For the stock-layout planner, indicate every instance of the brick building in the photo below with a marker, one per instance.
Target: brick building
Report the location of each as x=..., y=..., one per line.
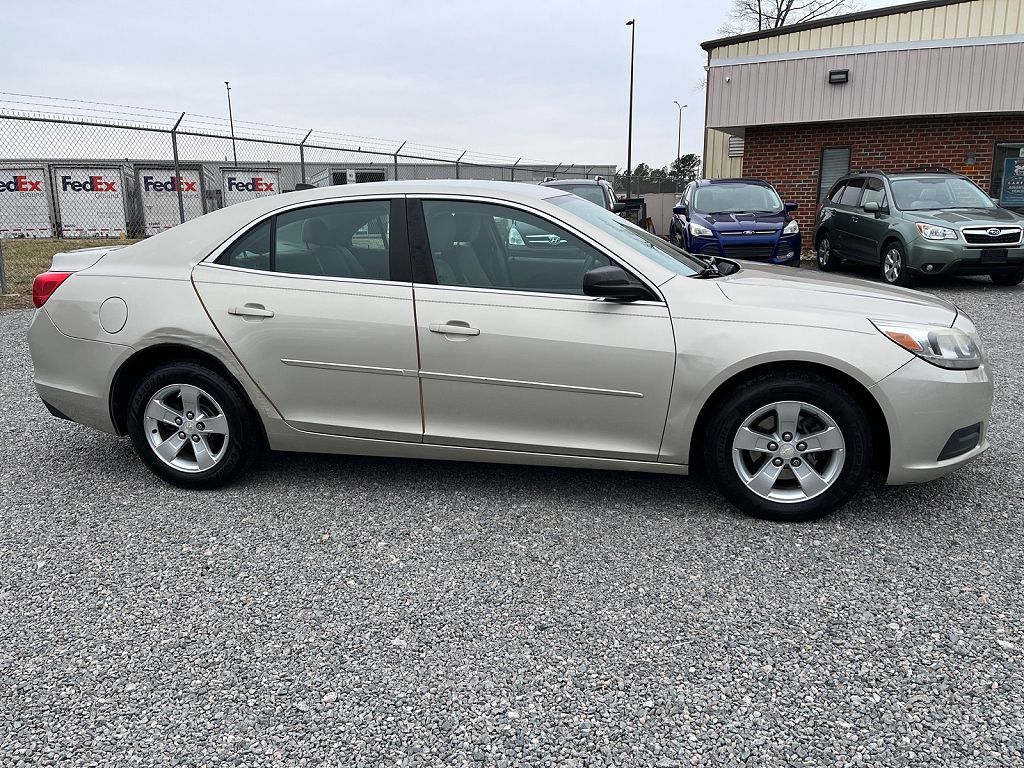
x=937, y=83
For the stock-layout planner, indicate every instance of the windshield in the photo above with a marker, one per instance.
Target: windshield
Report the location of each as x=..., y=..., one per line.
x=934, y=193
x=631, y=235
x=592, y=192
x=736, y=197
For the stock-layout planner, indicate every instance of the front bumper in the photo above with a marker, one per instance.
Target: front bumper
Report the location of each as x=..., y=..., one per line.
x=924, y=406
x=952, y=258
x=73, y=376
x=767, y=250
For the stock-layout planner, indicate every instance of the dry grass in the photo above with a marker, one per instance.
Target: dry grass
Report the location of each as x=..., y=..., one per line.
x=26, y=258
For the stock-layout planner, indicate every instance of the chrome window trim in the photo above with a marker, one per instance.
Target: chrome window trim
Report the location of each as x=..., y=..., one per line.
x=614, y=258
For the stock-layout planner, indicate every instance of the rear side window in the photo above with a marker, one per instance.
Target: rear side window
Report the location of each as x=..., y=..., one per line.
x=341, y=240
x=851, y=193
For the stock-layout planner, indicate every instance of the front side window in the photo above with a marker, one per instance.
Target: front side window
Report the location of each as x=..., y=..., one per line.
x=343, y=240
x=932, y=193
x=736, y=197
x=481, y=245
x=874, y=192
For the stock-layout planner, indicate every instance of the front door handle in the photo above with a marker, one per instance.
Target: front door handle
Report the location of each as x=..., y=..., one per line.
x=251, y=310
x=454, y=328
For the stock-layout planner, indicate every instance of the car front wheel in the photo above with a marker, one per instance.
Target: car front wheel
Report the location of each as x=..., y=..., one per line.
x=788, y=448
x=1008, y=278
x=191, y=426
x=894, y=266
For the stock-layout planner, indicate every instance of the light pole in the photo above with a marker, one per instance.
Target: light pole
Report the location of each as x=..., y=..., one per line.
x=629, y=145
x=679, y=133
x=231, y=120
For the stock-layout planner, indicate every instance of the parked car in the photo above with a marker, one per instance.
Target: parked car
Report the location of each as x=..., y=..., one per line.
x=736, y=218
x=919, y=223
x=292, y=322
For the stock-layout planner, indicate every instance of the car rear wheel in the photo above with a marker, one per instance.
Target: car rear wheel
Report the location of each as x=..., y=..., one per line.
x=788, y=448
x=191, y=426
x=1008, y=278
x=894, y=266
x=827, y=259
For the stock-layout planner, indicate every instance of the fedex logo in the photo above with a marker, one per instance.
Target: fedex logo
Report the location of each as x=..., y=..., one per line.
x=92, y=184
x=171, y=185
x=21, y=184
x=255, y=184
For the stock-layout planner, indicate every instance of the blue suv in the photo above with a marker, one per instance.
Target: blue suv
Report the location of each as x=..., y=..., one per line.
x=738, y=219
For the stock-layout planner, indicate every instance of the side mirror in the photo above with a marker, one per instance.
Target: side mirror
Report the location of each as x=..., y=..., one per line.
x=613, y=282
x=680, y=209
x=792, y=207
x=618, y=207
x=871, y=207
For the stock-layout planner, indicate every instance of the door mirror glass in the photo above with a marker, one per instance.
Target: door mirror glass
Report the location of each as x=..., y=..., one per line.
x=792, y=207
x=613, y=282
x=679, y=209
x=871, y=207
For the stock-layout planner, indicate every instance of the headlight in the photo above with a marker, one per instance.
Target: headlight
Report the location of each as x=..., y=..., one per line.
x=698, y=231
x=792, y=228
x=944, y=347
x=933, y=232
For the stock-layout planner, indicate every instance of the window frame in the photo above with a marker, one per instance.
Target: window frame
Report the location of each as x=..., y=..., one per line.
x=884, y=206
x=424, y=274
x=399, y=261
x=859, y=182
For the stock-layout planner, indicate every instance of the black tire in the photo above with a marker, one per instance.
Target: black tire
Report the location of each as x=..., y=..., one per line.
x=676, y=237
x=242, y=443
x=1008, y=278
x=806, y=388
x=828, y=261
x=895, y=273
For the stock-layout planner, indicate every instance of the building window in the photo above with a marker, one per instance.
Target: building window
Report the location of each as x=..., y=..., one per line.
x=735, y=146
x=835, y=163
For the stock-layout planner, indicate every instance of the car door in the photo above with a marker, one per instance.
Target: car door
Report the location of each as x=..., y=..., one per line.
x=300, y=301
x=844, y=208
x=519, y=359
x=868, y=230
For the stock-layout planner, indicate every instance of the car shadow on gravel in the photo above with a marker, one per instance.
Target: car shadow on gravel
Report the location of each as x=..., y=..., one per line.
x=927, y=284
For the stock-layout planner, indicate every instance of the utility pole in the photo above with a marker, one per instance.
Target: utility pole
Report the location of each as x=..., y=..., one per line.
x=679, y=133
x=231, y=120
x=629, y=145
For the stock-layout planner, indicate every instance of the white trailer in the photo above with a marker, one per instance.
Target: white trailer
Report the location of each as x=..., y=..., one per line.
x=157, y=188
x=241, y=184
x=90, y=201
x=24, y=203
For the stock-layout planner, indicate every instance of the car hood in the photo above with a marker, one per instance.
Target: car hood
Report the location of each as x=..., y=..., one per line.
x=964, y=217
x=742, y=222
x=788, y=289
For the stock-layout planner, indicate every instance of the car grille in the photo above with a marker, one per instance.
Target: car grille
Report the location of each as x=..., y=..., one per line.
x=749, y=251
x=981, y=236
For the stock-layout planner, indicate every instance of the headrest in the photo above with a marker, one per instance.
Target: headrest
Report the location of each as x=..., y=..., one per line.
x=467, y=227
x=315, y=232
x=442, y=230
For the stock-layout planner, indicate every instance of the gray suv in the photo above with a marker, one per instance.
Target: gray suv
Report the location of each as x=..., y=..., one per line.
x=931, y=222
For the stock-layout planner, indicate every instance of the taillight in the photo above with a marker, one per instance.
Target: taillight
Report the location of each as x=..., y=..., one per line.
x=45, y=284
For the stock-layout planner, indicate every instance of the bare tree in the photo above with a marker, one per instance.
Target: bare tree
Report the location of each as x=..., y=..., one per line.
x=759, y=15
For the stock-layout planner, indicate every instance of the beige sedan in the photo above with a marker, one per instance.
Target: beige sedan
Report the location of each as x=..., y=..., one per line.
x=415, y=319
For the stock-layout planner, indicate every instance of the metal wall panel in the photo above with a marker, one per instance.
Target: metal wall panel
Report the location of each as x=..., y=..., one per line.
x=972, y=18
x=899, y=83
x=717, y=163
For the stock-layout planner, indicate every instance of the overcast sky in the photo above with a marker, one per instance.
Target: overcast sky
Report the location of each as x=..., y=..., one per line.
x=542, y=79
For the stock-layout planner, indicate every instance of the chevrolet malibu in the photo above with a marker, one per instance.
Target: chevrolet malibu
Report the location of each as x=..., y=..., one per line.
x=398, y=319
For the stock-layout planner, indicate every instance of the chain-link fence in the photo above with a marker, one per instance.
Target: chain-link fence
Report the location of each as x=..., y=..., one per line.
x=102, y=172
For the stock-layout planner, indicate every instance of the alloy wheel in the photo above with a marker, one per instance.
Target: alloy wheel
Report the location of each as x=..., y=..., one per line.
x=186, y=428
x=789, y=452
x=824, y=251
x=893, y=265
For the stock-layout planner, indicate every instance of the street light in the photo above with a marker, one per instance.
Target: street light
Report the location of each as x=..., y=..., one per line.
x=679, y=133
x=231, y=119
x=629, y=145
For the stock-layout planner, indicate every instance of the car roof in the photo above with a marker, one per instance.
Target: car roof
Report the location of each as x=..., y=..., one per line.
x=712, y=182
x=572, y=182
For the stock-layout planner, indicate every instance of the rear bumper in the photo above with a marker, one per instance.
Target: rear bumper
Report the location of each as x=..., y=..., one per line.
x=934, y=413
x=954, y=259
x=73, y=376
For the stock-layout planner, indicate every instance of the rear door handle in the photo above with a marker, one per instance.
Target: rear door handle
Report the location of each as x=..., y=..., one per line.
x=251, y=310
x=454, y=328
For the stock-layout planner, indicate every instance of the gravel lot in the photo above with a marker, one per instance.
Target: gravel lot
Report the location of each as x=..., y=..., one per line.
x=350, y=611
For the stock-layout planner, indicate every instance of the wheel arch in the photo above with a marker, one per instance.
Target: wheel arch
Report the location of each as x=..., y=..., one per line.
x=145, y=360
x=891, y=237
x=872, y=410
